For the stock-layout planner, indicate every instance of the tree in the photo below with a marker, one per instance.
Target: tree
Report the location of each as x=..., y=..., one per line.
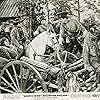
x=26, y=8
x=77, y=7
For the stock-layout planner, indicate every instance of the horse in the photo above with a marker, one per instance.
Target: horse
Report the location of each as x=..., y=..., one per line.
x=36, y=48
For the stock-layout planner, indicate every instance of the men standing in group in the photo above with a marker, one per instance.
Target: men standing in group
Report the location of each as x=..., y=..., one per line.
x=69, y=31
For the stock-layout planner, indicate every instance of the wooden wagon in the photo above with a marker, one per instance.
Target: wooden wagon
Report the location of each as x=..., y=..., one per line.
x=29, y=75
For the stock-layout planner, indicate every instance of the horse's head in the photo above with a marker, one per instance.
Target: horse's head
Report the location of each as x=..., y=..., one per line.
x=38, y=44
x=52, y=40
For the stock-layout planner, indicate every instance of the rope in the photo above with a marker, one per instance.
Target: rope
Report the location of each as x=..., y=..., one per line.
x=35, y=53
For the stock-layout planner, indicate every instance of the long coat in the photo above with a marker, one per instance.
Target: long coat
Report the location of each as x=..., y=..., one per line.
x=91, y=52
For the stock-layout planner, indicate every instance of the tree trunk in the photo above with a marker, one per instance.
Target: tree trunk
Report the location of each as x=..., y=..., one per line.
x=78, y=11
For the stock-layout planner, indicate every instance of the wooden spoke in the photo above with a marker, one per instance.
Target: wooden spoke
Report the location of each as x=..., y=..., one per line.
x=34, y=89
x=11, y=78
x=16, y=76
x=7, y=90
x=27, y=76
x=8, y=84
x=21, y=77
x=30, y=86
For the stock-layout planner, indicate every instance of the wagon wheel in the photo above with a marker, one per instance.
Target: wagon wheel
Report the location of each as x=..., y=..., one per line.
x=21, y=77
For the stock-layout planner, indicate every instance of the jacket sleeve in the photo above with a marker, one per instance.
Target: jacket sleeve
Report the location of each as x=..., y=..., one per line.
x=14, y=39
x=86, y=51
x=25, y=33
x=81, y=28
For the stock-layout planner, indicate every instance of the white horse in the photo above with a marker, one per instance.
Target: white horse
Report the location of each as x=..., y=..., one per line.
x=36, y=48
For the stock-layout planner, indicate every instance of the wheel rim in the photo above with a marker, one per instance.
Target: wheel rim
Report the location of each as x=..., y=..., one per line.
x=21, y=77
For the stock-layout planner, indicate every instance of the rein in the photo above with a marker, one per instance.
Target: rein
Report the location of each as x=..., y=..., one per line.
x=35, y=53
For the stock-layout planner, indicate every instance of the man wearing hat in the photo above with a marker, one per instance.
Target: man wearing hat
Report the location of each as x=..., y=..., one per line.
x=69, y=30
x=16, y=38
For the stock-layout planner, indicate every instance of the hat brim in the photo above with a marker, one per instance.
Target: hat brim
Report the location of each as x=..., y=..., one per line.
x=60, y=13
